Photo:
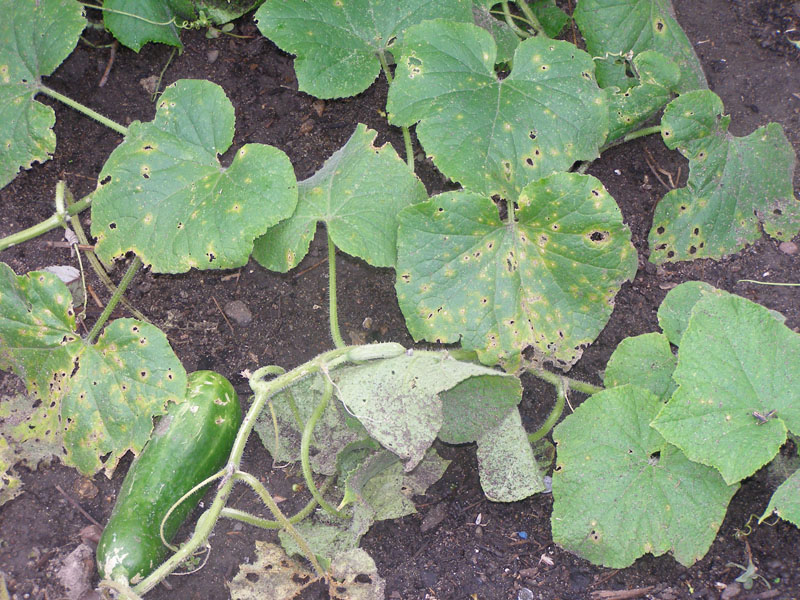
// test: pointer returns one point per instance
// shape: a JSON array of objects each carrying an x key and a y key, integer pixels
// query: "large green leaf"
[
  {"x": 95, "y": 400},
  {"x": 547, "y": 279},
  {"x": 337, "y": 43},
  {"x": 736, "y": 186},
  {"x": 620, "y": 490},
  {"x": 785, "y": 502},
  {"x": 357, "y": 194},
  {"x": 35, "y": 36},
  {"x": 644, "y": 360},
  {"x": 164, "y": 195},
  {"x": 496, "y": 135},
  {"x": 136, "y": 22},
  {"x": 736, "y": 364},
  {"x": 622, "y": 26}
]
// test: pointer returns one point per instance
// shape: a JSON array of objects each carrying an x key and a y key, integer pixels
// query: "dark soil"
[{"x": 745, "y": 47}]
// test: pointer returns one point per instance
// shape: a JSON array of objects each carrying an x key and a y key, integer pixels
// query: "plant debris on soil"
[{"x": 459, "y": 545}]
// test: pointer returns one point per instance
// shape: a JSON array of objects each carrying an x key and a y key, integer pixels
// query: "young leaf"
[
  {"x": 337, "y": 43},
  {"x": 495, "y": 136},
  {"x": 645, "y": 361},
  {"x": 739, "y": 387},
  {"x": 96, "y": 401},
  {"x": 506, "y": 464},
  {"x": 676, "y": 308},
  {"x": 397, "y": 400},
  {"x": 35, "y": 36},
  {"x": 785, "y": 502},
  {"x": 620, "y": 490},
  {"x": 621, "y": 26},
  {"x": 546, "y": 280},
  {"x": 154, "y": 21},
  {"x": 736, "y": 185},
  {"x": 357, "y": 194},
  {"x": 164, "y": 195},
  {"x": 631, "y": 106}
]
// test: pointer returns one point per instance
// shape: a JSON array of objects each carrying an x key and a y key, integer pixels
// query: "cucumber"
[{"x": 191, "y": 442}]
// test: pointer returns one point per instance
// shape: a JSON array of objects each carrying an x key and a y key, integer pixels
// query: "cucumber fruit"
[{"x": 191, "y": 442}]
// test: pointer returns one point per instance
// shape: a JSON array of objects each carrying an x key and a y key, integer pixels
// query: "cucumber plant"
[{"x": 520, "y": 266}]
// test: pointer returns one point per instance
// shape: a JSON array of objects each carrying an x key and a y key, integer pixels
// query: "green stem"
[
  {"x": 305, "y": 446},
  {"x": 333, "y": 309},
  {"x": 768, "y": 282},
  {"x": 131, "y": 15},
  {"x": 571, "y": 384},
  {"x": 642, "y": 132},
  {"x": 533, "y": 22},
  {"x": 555, "y": 414},
  {"x": 406, "y": 133},
  {"x": 510, "y": 21},
  {"x": 133, "y": 268},
  {"x": 85, "y": 110},
  {"x": 56, "y": 220}
]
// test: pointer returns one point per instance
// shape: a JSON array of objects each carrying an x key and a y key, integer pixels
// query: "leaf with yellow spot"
[
  {"x": 739, "y": 386},
  {"x": 97, "y": 401},
  {"x": 546, "y": 279},
  {"x": 337, "y": 43},
  {"x": 35, "y": 37},
  {"x": 736, "y": 186},
  {"x": 620, "y": 490},
  {"x": 357, "y": 194},
  {"x": 495, "y": 135},
  {"x": 164, "y": 195}
]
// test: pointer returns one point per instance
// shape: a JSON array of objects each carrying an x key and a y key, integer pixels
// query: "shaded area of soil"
[{"x": 746, "y": 50}]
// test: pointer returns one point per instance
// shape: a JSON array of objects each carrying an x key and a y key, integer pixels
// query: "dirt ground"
[{"x": 746, "y": 50}]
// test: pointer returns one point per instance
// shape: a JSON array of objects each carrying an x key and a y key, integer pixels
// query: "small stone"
[
  {"x": 149, "y": 84},
  {"x": 212, "y": 56},
  {"x": 789, "y": 248},
  {"x": 733, "y": 590},
  {"x": 238, "y": 311},
  {"x": 524, "y": 594}
]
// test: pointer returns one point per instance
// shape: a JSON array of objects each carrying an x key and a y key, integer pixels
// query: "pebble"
[
  {"x": 238, "y": 311},
  {"x": 789, "y": 248},
  {"x": 212, "y": 56},
  {"x": 524, "y": 594},
  {"x": 733, "y": 590}
]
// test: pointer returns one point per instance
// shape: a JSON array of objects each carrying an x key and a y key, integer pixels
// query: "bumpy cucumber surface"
[{"x": 190, "y": 443}]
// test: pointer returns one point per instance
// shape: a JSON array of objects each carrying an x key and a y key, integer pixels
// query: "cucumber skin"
[{"x": 187, "y": 445}]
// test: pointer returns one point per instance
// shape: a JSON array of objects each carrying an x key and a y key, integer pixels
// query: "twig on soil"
[
  {"x": 111, "y": 56},
  {"x": 621, "y": 594},
  {"x": 311, "y": 268},
  {"x": 74, "y": 503},
  {"x": 57, "y": 244},
  {"x": 94, "y": 296},
  {"x": 219, "y": 308},
  {"x": 655, "y": 169}
]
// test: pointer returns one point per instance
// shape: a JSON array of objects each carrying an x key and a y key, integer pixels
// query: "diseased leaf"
[
  {"x": 35, "y": 37},
  {"x": 224, "y": 11},
  {"x": 94, "y": 400},
  {"x": 494, "y": 135},
  {"x": 10, "y": 484},
  {"x": 785, "y": 502},
  {"x": 337, "y": 43},
  {"x": 736, "y": 365},
  {"x": 736, "y": 186},
  {"x": 645, "y": 361},
  {"x": 622, "y": 26},
  {"x": 620, "y": 490},
  {"x": 357, "y": 194},
  {"x": 164, "y": 195},
  {"x": 545, "y": 280},
  {"x": 506, "y": 464}
]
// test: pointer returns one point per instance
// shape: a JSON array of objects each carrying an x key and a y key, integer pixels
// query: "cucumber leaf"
[
  {"x": 505, "y": 37},
  {"x": 357, "y": 194},
  {"x": 337, "y": 44},
  {"x": 35, "y": 37},
  {"x": 620, "y": 490},
  {"x": 81, "y": 406},
  {"x": 676, "y": 308},
  {"x": 622, "y": 26},
  {"x": 546, "y": 280},
  {"x": 736, "y": 365},
  {"x": 146, "y": 21},
  {"x": 495, "y": 136},
  {"x": 645, "y": 361},
  {"x": 164, "y": 195},
  {"x": 785, "y": 502},
  {"x": 10, "y": 483},
  {"x": 736, "y": 186}
]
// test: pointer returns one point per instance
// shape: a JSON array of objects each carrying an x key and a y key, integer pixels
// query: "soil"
[{"x": 745, "y": 47}]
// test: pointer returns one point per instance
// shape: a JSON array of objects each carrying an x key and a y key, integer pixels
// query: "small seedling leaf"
[
  {"x": 145, "y": 21},
  {"x": 546, "y": 280},
  {"x": 164, "y": 195},
  {"x": 739, "y": 387},
  {"x": 622, "y": 26},
  {"x": 736, "y": 185},
  {"x": 506, "y": 464},
  {"x": 644, "y": 360},
  {"x": 337, "y": 43},
  {"x": 357, "y": 195},
  {"x": 620, "y": 490},
  {"x": 495, "y": 136},
  {"x": 35, "y": 37},
  {"x": 785, "y": 502}
]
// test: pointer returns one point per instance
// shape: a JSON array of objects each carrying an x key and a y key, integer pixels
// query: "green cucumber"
[{"x": 190, "y": 443}]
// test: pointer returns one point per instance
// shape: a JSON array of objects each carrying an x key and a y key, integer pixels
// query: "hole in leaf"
[
  {"x": 696, "y": 231},
  {"x": 660, "y": 231},
  {"x": 654, "y": 458},
  {"x": 363, "y": 578},
  {"x": 529, "y": 161},
  {"x": 777, "y": 212},
  {"x": 112, "y": 225},
  {"x": 105, "y": 180},
  {"x": 252, "y": 577},
  {"x": 670, "y": 254},
  {"x": 659, "y": 25},
  {"x": 532, "y": 134},
  {"x": 598, "y": 236},
  {"x": 692, "y": 250}
]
